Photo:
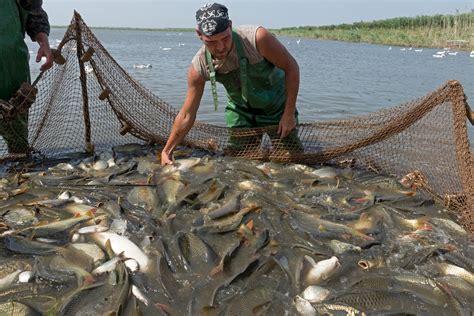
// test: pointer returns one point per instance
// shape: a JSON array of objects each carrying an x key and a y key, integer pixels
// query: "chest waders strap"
[
  {"x": 243, "y": 66},
  {"x": 212, "y": 75},
  {"x": 243, "y": 71}
]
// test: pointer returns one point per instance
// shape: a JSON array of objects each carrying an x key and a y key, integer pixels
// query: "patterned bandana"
[{"x": 212, "y": 18}]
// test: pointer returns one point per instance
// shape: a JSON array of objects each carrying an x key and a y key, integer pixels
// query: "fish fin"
[
  {"x": 165, "y": 308},
  {"x": 32, "y": 235},
  {"x": 41, "y": 223},
  {"x": 249, "y": 224},
  {"x": 91, "y": 212},
  {"x": 19, "y": 191},
  {"x": 217, "y": 269},
  {"x": 245, "y": 231},
  {"x": 88, "y": 280},
  {"x": 123, "y": 257},
  {"x": 424, "y": 223},
  {"x": 149, "y": 179},
  {"x": 108, "y": 249}
]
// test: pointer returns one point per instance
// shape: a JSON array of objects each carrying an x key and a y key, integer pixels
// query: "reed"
[{"x": 420, "y": 31}]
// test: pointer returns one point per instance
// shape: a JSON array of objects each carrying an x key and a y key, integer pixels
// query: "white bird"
[
  {"x": 438, "y": 56},
  {"x": 166, "y": 48},
  {"x": 298, "y": 41},
  {"x": 402, "y": 48},
  {"x": 453, "y": 53},
  {"x": 141, "y": 66},
  {"x": 418, "y": 50},
  {"x": 390, "y": 48}
]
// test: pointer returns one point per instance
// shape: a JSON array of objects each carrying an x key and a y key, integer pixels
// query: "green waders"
[
  {"x": 14, "y": 70},
  {"x": 256, "y": 98}
]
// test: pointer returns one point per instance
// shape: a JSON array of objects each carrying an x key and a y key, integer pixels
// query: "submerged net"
[{"x": 88, "y": 102}]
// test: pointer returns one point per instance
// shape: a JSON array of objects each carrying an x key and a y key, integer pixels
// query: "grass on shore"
[{"x": 423, "y": 31}]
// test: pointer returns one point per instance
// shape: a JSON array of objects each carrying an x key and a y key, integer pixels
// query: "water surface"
[{"x": 338, "y": 79}]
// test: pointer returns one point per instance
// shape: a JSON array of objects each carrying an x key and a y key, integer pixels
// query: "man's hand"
[
  {"x": 44, "y": 51},
  {"x": 166, "y": 159},
  {"x": 287, "y": 124}
]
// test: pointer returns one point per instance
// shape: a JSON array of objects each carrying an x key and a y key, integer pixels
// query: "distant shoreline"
[
  {"x": 118, "y": 28},
  {"x": 437, "y": 31}
]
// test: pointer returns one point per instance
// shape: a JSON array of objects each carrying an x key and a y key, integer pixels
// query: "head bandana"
[{"x": 212, "y": 18}]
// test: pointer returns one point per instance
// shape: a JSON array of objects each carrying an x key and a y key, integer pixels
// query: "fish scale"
[
  {"x": 7, "y": 267},
  {"x": 214, "y": 190},
  {"x": 382, "y": 301},
  {"x": 19, "y": 291},
  {"x": 197, "y": 253},
  {"x": 250, "y": 301},
  {"x": 459, "y": 259},
  {"x": 17, "y": 309}
]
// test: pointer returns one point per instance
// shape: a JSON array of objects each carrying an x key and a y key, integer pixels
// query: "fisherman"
[
  {"x": 16, "y": 18},
  {"x": 260, "y": 76}
]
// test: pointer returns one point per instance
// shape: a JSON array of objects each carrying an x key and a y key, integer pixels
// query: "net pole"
[
  {"x": 463, "y": 152},
  {"x": 83, "y": 79}
]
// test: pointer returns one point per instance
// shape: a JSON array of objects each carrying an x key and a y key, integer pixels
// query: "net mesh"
[{"x": 88, "y": 102}]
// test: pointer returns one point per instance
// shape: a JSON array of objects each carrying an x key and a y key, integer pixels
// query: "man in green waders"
[
  {"x": 16, "y": 18},
  {"x": 260, "y": 76}
]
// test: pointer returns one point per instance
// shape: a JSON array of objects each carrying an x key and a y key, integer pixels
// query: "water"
[{"x": 338, "y": 79}]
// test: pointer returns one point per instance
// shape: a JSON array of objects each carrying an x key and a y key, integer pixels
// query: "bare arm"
[
  {"x": 272, "y": 50},
  {"x": 186, "y": 116}
]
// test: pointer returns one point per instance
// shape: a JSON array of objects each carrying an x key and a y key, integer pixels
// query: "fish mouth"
[{"x": 366, "y": 264}]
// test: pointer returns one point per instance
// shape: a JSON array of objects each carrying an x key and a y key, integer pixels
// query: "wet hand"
[
  {"x": 166, "y": 158},
  {"x": 45, "y": 51},
  {"x": 287, "y": 124}
]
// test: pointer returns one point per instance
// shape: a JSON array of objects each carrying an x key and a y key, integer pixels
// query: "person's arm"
[
  {"x": 186, "y": 116},
  {"x": 44, "y": 51},
  {"x": 37, "y": 27},
  {"x": 274, "y": 51}
]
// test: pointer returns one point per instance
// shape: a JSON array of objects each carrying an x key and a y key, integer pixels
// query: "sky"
[{"x": 268, "y": 13}]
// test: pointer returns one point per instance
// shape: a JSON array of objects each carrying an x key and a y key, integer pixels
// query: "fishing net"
[{"x": 88, "y": 102}]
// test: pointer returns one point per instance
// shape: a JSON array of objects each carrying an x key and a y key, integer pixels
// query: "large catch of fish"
[{"x": 119, "y": 234}]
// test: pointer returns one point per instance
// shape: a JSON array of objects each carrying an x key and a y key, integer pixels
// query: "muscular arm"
[
  {"x": 186, "y": 116},
  {"x": 272, "y": 50}
]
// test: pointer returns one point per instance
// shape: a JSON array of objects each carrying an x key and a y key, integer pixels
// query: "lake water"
[{"x": 338, "y": 79}]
